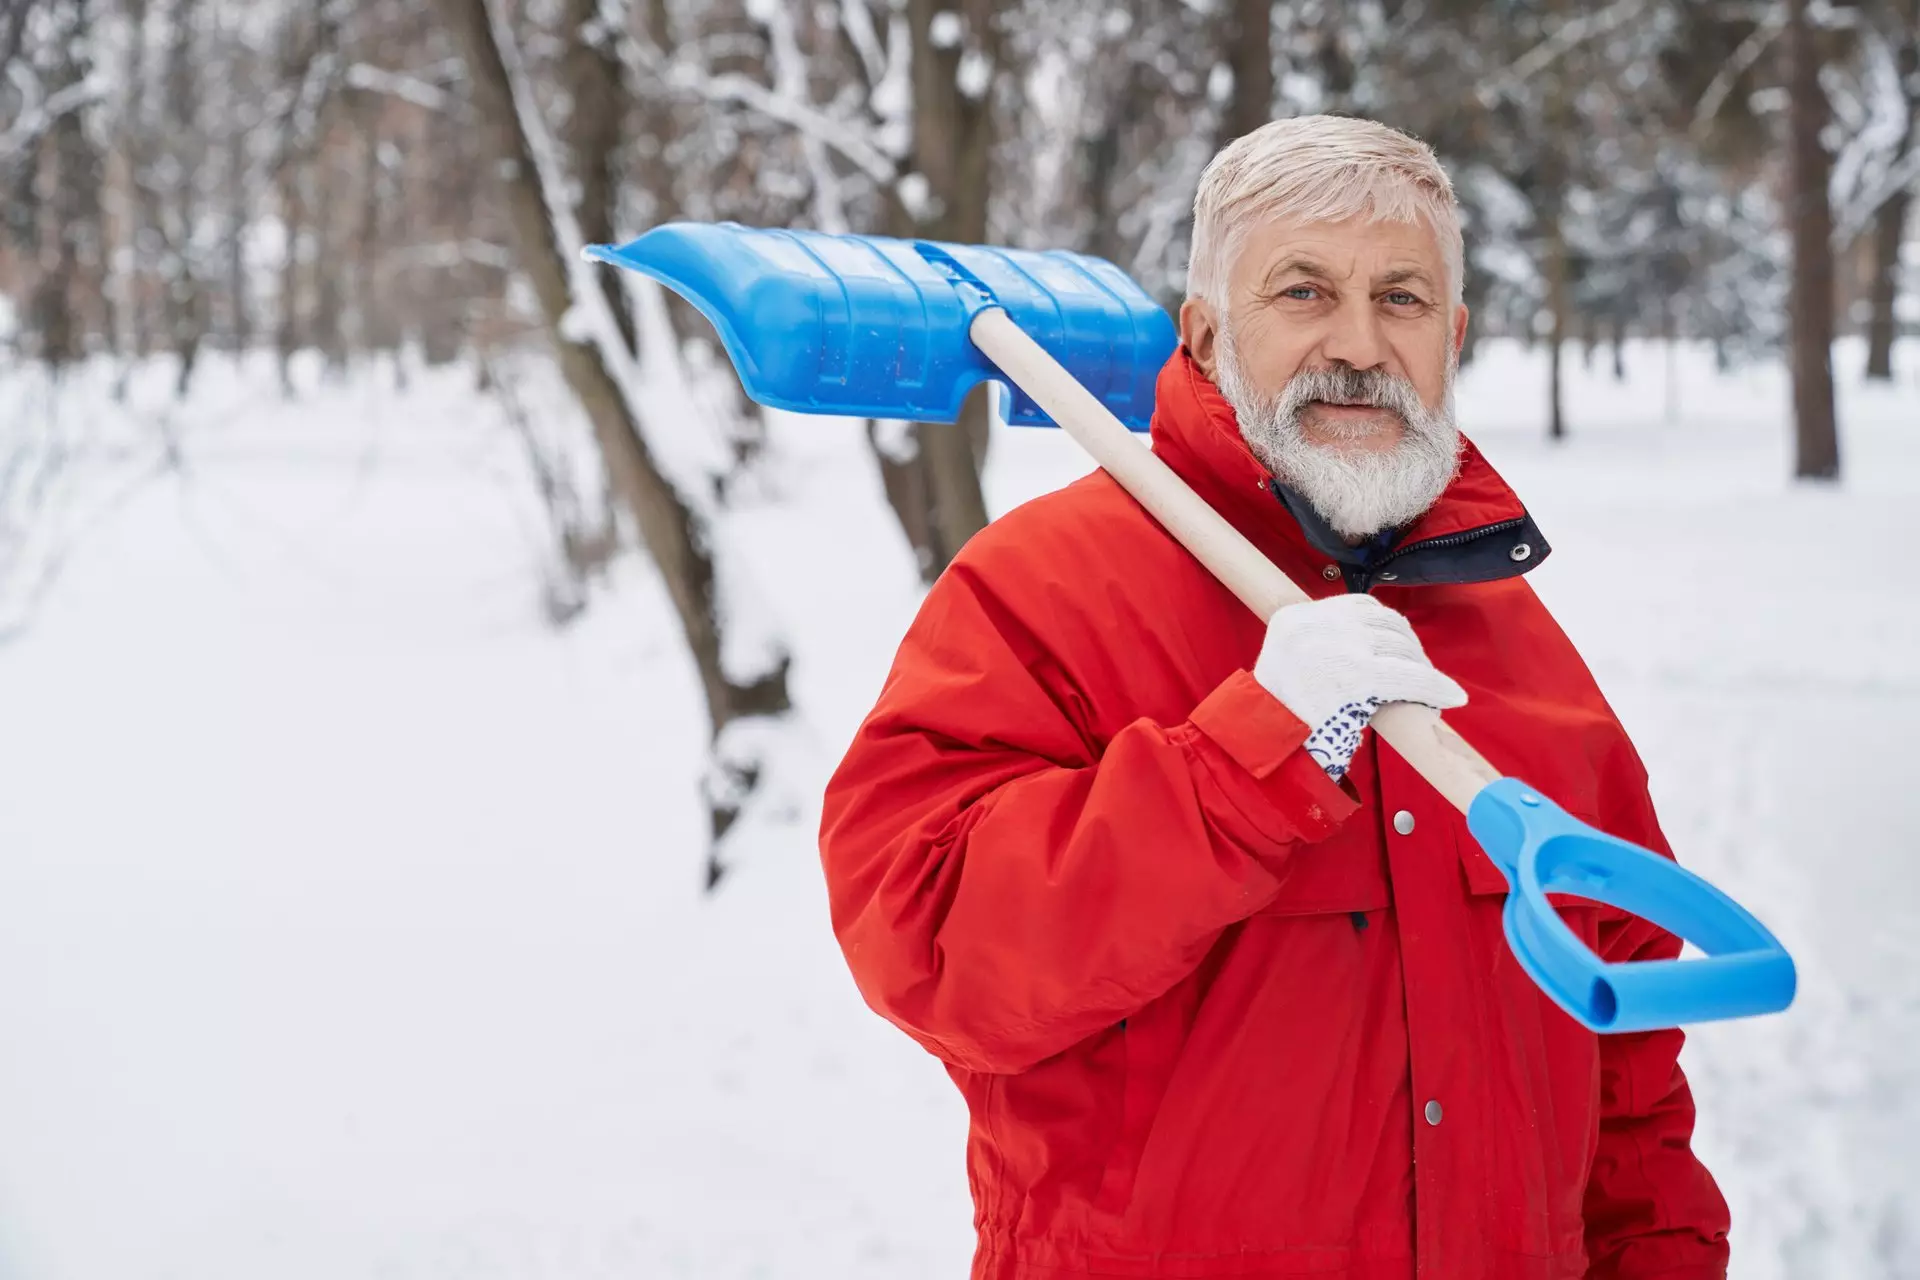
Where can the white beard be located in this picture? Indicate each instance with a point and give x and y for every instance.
(1360, 493)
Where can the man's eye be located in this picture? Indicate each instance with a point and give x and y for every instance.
(1401, 298)
(1304, 292)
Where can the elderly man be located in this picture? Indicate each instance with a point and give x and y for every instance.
(1222, 980)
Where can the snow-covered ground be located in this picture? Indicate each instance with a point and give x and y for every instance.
(350, 922)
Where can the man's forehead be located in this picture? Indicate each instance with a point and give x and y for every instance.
(1344, 248)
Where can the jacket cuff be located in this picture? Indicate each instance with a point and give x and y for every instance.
(1250, 746)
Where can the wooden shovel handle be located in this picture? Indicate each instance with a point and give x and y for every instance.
(1422, 738)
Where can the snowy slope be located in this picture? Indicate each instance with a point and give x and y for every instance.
(350, 925)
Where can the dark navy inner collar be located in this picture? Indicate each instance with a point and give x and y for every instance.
(1505, 549)
(1325, 540)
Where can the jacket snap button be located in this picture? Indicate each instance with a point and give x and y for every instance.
(1433, 1111)
(1403, 823)
(1389, 577)
(1331, 572)
(1520, 552)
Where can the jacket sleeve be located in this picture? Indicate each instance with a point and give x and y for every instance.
(1653, 1212)
(1002, 885)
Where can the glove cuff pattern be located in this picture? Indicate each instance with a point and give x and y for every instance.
(1333, 744)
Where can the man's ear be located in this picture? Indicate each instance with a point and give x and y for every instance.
(1459, 329)
(1198, 329)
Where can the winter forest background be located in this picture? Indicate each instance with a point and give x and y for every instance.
(419, 664)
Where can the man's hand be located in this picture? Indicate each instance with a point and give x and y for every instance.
(1335, 662)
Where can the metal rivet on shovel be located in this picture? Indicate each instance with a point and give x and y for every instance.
(872, 327)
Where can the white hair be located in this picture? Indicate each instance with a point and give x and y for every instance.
(1317, 169)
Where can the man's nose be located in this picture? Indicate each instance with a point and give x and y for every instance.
(1354, 336)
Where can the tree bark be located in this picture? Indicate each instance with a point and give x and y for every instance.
(239, 218)
(1890, 222)
(595, 131)
(1250, 57)
(952, 146)
(69, 203)
(1889, 230)
(1810, 294)
(671, 531)
(1557, 305)
(287, 333)
(373, 329)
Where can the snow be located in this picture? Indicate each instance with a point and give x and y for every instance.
(974, 74)
(946, 30)
(350, 919)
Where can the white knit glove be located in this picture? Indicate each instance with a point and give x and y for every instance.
(1335, 662)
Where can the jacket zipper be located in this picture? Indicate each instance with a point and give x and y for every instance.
(1449, 540)
(1362, 580)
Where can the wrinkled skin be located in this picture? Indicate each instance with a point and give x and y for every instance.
(1366, 295)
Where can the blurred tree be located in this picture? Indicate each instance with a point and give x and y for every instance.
(1810, 219)
(63, 186)
(956, 61)
(1247, 28)
(1899, 28)
(596, 360)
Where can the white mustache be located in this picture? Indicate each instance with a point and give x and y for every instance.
(1358, 494)
(1346, 385)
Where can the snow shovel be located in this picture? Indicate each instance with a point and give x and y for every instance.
(873, 327)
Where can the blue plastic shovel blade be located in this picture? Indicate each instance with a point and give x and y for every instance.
(1543, 849)
(868, 326)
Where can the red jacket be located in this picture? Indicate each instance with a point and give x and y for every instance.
(1212, 1015)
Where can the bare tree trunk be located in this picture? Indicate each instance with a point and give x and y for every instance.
(1100, 165)
(1474, 295)
(1670, 346)
(596, 129)
(71, 260)
(1889, 230)
(955, 62)
(673, 534)
(1250, 57)
(239, 216)
(188, 312)
(288, 328)
(1557, 304)
(372, 328)
(1810, 294)
(1555, 179)
(329, 293)
(1890, 223)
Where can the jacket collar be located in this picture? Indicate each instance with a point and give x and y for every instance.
(1478, 530)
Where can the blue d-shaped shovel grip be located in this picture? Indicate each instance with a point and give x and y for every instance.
(1543, 849)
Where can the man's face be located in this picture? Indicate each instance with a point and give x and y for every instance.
(1337, 353)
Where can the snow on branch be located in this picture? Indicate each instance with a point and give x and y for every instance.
(397, 84)
(298, 111)
(732, 88)
(858, 24)
(41, 114)
(1880, 157)
(1744, 57)
(590, 319)
(789, 83)
(1565, 38)
(1860, 210)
